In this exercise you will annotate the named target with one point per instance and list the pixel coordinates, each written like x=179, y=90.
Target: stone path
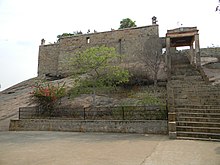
x=68, y=148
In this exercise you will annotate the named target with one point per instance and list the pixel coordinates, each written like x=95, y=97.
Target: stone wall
x=117, y=126
x=135, y=43
x=207, y=52
x=48, y=59
x=210, y=52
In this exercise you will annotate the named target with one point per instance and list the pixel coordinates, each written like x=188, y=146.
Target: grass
x=136, y=95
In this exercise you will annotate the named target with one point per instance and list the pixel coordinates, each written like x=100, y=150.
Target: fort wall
x=48, y=59
x=138, y=45
x=135, y=43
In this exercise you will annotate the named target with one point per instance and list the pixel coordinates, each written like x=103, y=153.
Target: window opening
x=87, y=40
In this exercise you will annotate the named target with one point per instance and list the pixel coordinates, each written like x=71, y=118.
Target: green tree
x=68, y=34
x=100, y=69
x=127, y=23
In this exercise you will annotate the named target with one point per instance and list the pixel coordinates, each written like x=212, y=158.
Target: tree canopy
x=127, y=23
x=99, y=67
x=98, y=63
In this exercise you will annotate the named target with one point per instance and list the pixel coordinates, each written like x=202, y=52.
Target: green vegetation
x=97, y=68
x=144, y=96
x=46, y=95
x=68, y=34
x=127, y=23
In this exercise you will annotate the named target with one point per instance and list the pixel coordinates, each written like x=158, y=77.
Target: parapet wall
x=135, y=43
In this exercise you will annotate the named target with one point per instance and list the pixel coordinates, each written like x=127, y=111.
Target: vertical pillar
x=197, y=51
x=168, y=57
x=192, y=55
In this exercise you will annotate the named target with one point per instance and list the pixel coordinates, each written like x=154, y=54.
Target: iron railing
x=97, y=113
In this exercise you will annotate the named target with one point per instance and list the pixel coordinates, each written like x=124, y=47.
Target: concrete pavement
x=71, y=148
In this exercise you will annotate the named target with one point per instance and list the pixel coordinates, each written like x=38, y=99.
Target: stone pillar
x=168, y=57
x=192, y=55
x=172, y=123
x=197, y=51
x=172, y=130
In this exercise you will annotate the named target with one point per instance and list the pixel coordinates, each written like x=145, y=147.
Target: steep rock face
x=14, y=97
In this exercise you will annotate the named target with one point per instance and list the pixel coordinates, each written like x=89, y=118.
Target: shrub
x=46, y=95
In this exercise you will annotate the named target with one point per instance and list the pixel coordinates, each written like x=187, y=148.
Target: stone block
x=172, y=126
x=171, y=116
x=172, y=135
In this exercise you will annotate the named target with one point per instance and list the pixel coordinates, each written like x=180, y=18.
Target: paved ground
x=68, y=148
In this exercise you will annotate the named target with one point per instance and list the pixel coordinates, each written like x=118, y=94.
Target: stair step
x=188, y=72
x=178, y=81
x=183, y=101
x=194, y=138
x=198, y=129
x=198, y=124
x=208, y=115
x=185, y=65
x=195, y=82
x=195, y=90
x=187, y=78
x=187, y=110
x=200, y=95
x=196, y=102
x=199, y=119
x=198, y=135
x=197, y=98
x=199, y=106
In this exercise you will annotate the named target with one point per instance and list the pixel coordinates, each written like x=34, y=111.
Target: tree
x=127, y=23
x=100, y=69
x=68, y=34
x=151, y=57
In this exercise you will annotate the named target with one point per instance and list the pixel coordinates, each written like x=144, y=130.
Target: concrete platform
x=69, y=148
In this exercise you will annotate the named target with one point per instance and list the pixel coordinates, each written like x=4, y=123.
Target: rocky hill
x=14, y=97
x=19, y=95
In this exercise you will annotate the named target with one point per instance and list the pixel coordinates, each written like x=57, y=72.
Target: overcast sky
x=23, y=23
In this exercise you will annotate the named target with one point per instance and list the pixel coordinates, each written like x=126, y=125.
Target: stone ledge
x=118, y=126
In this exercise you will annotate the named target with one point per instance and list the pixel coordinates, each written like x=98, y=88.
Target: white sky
x=23, y=23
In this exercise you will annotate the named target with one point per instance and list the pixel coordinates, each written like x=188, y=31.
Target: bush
x=46, y=95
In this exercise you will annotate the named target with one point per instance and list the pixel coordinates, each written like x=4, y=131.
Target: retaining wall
x=117, y=126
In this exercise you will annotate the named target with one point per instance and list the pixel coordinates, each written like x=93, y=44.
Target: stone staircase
x=194, y=104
